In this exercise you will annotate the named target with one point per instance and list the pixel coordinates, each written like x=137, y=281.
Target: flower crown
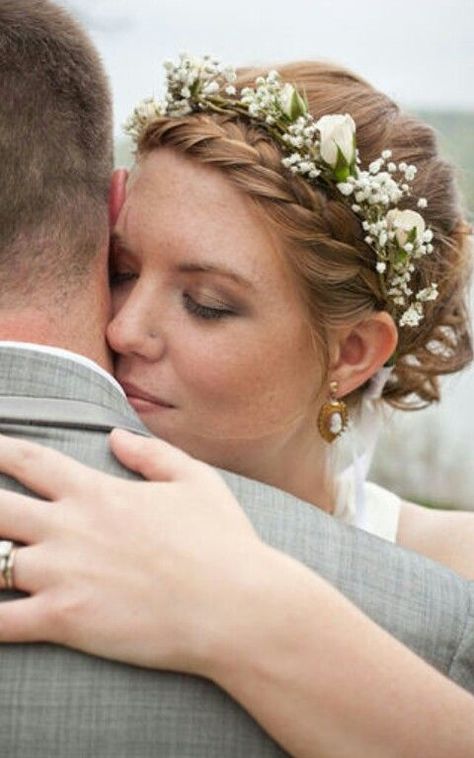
x=322, y=151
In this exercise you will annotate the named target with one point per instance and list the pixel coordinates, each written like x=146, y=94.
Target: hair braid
x=322, y=239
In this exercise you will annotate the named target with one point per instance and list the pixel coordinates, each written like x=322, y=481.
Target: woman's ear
x=362, y=350
x=117, y=194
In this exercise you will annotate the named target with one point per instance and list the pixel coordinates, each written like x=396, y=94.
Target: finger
x=152, y=458
x=22, y=518
x=23, y=620
x=33, y=571
x=45, y=471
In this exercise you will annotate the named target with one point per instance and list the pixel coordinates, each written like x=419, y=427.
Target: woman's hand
x=136, y=571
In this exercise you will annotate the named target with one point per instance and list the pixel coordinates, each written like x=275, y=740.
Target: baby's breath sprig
x=320, y=151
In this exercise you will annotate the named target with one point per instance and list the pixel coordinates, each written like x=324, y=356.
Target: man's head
x=55, y=156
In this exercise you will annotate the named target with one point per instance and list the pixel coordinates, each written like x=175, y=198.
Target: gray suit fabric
x=58, y=702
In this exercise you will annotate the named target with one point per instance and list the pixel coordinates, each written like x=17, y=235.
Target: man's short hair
x=56, y=148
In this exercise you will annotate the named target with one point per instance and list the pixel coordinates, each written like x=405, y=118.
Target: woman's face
x=213, y=347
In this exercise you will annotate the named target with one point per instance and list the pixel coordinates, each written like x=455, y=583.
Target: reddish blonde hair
x=324, y=241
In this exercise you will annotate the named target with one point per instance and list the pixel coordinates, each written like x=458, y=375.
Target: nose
x=134, y=330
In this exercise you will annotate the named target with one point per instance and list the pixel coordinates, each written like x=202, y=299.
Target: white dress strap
x=382, y=507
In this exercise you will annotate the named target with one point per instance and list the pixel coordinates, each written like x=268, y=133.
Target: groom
x=55, y=387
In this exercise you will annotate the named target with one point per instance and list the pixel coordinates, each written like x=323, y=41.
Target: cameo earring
x=333, y=416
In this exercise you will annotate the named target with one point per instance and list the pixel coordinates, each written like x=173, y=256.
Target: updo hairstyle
x=323, y=239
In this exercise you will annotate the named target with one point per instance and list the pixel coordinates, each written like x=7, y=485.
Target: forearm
x=324, y=680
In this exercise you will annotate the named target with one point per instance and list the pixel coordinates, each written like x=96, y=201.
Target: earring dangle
x=333, y=416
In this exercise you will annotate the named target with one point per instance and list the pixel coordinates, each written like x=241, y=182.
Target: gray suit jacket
x=57, y=702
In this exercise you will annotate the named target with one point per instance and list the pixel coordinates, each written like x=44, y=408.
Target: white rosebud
x=336, y=131
x=291, y=102
x=386, y=154
x=427, y=235
x=403, y=223
x=422, y=202
x=355, y=208
x=381, y=267
x=392, y=167
x=230, y=90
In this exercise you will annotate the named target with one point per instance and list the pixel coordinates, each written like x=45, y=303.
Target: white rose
x=337, y=131
x=291, y=102
x=403, y=222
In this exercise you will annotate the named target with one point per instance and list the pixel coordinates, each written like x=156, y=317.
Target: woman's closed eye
x=218, y=310
x=116, y=278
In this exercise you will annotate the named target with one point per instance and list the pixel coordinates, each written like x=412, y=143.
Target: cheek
x=250, y=386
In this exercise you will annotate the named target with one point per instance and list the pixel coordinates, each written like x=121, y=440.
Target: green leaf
x=401, y=256
x=412, y=235
x=298, y=106
x=342, y=169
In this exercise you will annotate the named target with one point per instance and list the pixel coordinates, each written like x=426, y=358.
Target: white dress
x=382, y=507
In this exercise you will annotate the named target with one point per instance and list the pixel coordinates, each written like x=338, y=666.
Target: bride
x=251, y=297
x=263, y=274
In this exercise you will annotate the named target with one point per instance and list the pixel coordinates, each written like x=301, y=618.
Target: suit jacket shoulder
x=55, y=701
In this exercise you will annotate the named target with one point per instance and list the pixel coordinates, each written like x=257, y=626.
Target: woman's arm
x=444, y=536
x=210, y=598
x=324, y=680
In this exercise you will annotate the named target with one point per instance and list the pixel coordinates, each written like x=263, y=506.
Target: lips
x=137, y=395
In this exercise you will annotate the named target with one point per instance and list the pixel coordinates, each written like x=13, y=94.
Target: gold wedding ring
x=8, y=551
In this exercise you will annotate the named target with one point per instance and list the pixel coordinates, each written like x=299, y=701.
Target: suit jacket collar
x=30, y=373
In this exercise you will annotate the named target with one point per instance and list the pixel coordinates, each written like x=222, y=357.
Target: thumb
x=154, y=459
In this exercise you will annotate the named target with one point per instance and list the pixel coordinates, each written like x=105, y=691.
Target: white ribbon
x=364, y=438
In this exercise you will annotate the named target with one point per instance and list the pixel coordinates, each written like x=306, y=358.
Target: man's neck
x=41, y=328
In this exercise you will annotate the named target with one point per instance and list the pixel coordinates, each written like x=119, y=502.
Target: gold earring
x=333, y=416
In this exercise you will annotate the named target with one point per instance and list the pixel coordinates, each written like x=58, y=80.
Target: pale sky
x=420, y=52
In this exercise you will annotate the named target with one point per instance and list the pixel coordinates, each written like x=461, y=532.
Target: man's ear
x=117, y=194
x=362, y=350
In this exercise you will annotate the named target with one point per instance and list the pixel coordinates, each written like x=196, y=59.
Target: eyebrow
x=211, y=268
x=193, y=268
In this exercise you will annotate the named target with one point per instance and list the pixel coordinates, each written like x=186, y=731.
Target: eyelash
x=196, y=309
x=204, y=311
x=116, y=278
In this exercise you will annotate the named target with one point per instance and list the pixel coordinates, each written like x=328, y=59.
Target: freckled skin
x=244, y=385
